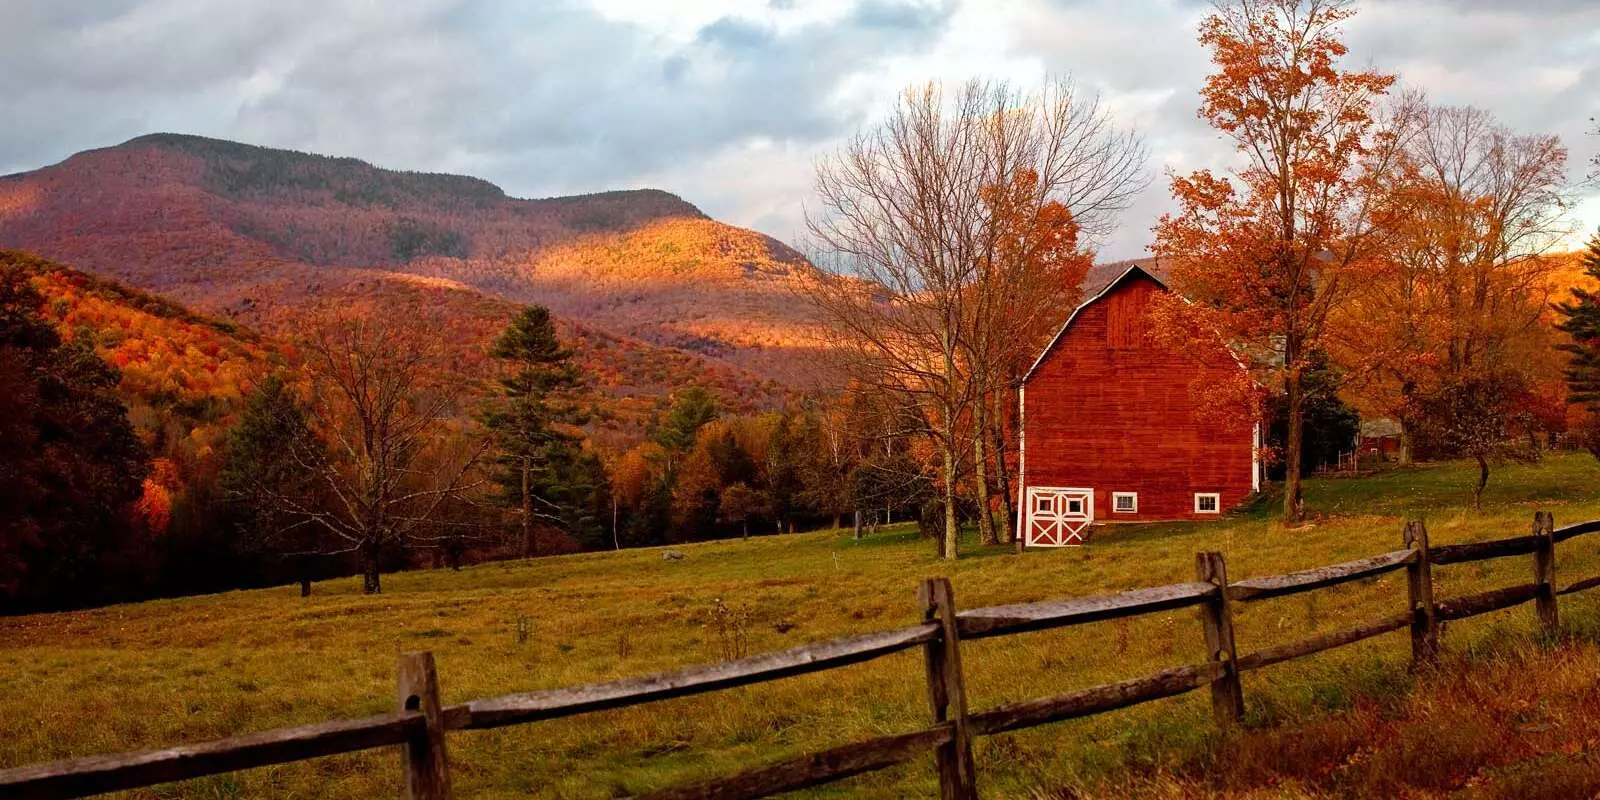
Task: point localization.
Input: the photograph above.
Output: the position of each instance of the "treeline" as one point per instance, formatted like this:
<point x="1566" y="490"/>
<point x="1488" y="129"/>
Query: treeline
<point x="361" y="449"/>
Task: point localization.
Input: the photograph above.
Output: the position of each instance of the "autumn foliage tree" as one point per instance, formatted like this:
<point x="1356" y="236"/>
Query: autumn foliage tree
<point x="924" y="220"/>
<point x="1446" y="330"/>
<point x="379" y="445"/>
<point x="1266" y="254"/>
<point x="1033" y="273"/>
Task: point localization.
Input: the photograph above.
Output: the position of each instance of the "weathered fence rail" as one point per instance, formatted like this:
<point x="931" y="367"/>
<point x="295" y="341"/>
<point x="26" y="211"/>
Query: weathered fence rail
<point x="419" y="723"/>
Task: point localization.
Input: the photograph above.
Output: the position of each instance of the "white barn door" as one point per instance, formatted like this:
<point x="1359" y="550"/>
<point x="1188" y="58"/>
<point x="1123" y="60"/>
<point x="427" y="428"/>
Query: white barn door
<point x="1058" y="517"/>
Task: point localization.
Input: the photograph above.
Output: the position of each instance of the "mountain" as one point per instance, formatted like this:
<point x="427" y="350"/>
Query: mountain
<point x="267" y="237"/>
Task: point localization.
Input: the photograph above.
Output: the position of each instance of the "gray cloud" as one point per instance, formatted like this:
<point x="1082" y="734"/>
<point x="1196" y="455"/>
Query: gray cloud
<point x="545" y="97"/>
<point x="555" y="96"/>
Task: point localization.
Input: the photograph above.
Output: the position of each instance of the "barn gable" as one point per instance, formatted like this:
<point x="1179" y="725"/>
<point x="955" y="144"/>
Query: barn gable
<point x="1133" y="271"/>
<point x="1111" y="430"/>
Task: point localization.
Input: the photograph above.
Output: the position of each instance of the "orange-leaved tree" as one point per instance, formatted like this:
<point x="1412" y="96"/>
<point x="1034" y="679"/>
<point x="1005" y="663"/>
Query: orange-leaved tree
<point x="1031" y="276"/>
<point x="1459" y="298"/>
<point x="906" y="225"/>
<point x="1262" y="256"/>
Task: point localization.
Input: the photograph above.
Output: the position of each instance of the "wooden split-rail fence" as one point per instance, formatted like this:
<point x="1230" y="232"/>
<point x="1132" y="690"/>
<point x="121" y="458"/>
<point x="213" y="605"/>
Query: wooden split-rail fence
<point x="419" y="724"/>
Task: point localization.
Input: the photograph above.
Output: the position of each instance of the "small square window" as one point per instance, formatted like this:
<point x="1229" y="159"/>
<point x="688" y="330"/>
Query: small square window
<point x="1207" y="503"/>
<point x="1074" y="506"/>
<point x="1125" y="502"/>
<point x="1044" y="504"/>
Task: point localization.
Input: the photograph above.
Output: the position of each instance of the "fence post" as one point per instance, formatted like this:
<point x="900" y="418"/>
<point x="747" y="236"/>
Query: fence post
<point x="1544" y="571"/>
<point x="427" y="771"/>
<point x="1419" y="595"/>
<point x="1227" y="694"/>
<point x="947" y="692"/>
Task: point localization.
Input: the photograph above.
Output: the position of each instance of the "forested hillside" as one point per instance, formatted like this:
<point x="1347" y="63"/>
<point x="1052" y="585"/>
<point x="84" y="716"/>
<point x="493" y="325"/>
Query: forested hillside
<point x="178" y="386"/>
<point x="229" y="228"/>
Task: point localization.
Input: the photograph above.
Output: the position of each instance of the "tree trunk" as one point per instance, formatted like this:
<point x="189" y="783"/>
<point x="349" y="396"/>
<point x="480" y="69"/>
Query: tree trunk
<point x="950" y="529"/>
<point x="305" y="587"/>
<point x="838" y="520"/>
<point x="745" y="524"/>
<point x="858" y="525"/>
<point x="1483" y="480"/>
<point x="1405" y="445"/>
<point x="1292" y="507"/>
<point x="997" y="427"/>
<point x="980" y="474"/>
<point x="370" y="582"/>
<point x="529" y="545"/>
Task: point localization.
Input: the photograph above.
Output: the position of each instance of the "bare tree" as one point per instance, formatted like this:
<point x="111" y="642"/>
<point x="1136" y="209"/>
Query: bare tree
<point x="911" y="231"/>
<point x="383" y="466"/>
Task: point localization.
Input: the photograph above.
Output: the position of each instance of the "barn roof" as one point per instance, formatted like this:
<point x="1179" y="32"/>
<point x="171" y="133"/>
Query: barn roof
<point x="1106" y="277"/>
<point x="1101" y="276"/>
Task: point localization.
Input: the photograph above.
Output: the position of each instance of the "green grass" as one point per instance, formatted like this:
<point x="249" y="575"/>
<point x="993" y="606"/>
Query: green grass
<point x="171" y="671"/>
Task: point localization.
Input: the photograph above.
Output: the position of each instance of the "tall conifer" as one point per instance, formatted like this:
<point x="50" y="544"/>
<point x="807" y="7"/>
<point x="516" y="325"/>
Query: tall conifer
<point x="539" y="461"/>
<point x="1581" y="321"/>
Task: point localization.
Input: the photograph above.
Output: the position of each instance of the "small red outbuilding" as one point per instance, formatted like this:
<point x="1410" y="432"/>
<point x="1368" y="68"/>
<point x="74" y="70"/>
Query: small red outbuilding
<point x="1109" y="425"/>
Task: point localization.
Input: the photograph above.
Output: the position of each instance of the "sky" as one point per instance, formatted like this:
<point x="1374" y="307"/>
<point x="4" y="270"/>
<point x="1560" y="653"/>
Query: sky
<point x="727" y="103"/>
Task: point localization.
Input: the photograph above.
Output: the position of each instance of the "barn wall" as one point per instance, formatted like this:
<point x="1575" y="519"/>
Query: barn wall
<point x="1107" y="409"/>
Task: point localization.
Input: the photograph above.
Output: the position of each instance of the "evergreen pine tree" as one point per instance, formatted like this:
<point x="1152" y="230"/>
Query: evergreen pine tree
<point x="271" y="472"/>
<point x="691" y="410"/>
<point x="1581" y="321"/>
<point x="545" y="474"/>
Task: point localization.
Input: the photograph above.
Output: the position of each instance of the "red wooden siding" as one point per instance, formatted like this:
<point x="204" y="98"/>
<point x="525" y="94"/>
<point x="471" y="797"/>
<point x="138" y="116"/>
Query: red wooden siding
<point x="1106" y="408"/>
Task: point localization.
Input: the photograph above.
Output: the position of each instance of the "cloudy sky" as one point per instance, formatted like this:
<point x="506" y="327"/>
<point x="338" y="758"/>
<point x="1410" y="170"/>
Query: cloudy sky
<point x="725" y="102"/>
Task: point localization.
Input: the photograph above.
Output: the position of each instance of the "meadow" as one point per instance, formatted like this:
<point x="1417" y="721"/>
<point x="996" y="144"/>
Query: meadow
<point x="1504" y="712"/>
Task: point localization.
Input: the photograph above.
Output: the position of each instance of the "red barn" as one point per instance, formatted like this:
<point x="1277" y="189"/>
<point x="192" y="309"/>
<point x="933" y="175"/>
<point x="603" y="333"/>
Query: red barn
<point x="1109" y="429"/>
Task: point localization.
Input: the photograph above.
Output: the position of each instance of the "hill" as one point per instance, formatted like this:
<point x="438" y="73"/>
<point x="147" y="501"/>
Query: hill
<point x="260" y="234"/>
<point x="1350" y="722"/>
<point x="183" y="373"/>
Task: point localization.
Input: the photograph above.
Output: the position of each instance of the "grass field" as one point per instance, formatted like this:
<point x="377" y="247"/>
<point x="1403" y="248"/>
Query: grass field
<point x="172" y="671"/>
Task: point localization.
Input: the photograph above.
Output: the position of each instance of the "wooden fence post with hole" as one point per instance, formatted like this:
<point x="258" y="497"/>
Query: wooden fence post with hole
<point x="1419" y="596"/>
<point x="1227" y="694"/>
<point x="427" y="771"/>
<point x="947" y="692"/>
<point x="1544" y="571"/>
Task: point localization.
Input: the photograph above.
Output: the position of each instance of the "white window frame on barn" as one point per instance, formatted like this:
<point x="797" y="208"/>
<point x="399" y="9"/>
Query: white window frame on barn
<point x="1216" y="502"/>
<point x="1131" y="497"/>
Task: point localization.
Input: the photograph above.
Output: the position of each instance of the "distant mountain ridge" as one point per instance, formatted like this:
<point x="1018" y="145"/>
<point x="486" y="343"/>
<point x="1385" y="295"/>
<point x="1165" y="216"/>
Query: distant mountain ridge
<point x="264" y="235"/>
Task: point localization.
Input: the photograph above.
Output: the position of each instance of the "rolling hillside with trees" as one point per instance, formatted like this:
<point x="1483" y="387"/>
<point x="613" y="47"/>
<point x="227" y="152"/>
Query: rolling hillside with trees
<point x="189" y="403"/>
<point x="248" y="232"/>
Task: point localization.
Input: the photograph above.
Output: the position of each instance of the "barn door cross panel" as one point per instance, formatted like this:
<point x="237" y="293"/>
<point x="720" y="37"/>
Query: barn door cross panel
<point x="1058" y="517"/>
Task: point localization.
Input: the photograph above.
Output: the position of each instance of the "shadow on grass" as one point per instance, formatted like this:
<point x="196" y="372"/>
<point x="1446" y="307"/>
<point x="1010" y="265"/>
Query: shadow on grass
<point x="907" y="534"/>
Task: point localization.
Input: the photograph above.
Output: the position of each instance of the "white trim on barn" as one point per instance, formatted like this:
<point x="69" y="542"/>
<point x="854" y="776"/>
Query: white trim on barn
<point x="1022" y="461"/>
<point x="1216" y="502"/>
<point x="1131" y="497"/>
<point x="1256" y="467"/>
